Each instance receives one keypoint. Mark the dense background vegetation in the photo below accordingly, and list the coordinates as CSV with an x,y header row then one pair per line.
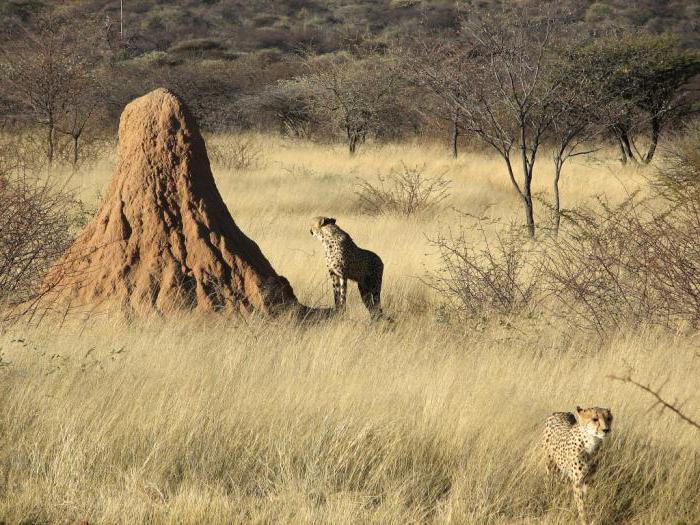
x,y
219,53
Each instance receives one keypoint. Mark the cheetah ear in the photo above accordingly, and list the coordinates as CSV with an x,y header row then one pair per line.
x,y
579,409
328,220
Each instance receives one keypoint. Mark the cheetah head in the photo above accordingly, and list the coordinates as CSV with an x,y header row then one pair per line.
x,y
595,421
318,223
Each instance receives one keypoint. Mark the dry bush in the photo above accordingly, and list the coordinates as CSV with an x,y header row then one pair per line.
x,y
36,222
638,262
497,274
25,151
21,152
93,148
628,264
404,191
612,267
678,176
234,152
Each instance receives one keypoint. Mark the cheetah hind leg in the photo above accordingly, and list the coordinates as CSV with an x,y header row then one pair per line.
x,y
550,468
370,291
551,474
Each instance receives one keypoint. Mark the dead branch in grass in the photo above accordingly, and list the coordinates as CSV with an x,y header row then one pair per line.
x,y
660,401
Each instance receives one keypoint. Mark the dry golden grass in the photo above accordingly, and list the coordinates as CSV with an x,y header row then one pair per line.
x,y
196,420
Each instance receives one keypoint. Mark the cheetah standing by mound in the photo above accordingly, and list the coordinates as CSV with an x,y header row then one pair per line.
x,y
346,261
571,447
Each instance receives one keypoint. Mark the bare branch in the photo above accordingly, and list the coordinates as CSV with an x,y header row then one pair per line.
x,y
656,394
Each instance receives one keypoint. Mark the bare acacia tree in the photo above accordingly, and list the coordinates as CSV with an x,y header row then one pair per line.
x,y
360,96
83,102
50,75
499,77
583,115
283,105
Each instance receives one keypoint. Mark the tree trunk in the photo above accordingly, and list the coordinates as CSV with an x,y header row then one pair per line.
x,y
76,138
557,202
352,139
529,211
527,197
524,194
626,145
455,134
623,153
49,143
527,186
655,132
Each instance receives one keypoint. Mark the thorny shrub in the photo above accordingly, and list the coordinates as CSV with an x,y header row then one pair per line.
x,y
404,191
627,264
495,274
19,152
637,262
678,176
37,222
233,152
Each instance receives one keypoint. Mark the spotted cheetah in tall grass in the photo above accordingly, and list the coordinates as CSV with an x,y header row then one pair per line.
x,y
571,446
345,260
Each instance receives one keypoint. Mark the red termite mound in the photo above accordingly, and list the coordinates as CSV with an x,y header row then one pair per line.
x,y
163,239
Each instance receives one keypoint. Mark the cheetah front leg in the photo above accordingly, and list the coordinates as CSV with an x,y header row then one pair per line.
x,y
340,286
377,296
335,281
579,495
550,468
342,292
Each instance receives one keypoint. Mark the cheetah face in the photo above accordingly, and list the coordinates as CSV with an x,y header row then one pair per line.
x,y
317,224
595,421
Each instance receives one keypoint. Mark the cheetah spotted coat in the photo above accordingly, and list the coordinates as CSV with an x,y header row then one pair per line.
x,y
571,446
345,260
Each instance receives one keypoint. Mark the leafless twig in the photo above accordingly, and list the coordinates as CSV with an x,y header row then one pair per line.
x,y
660,401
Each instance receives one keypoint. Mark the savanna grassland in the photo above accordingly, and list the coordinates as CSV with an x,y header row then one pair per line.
x,y
427,419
